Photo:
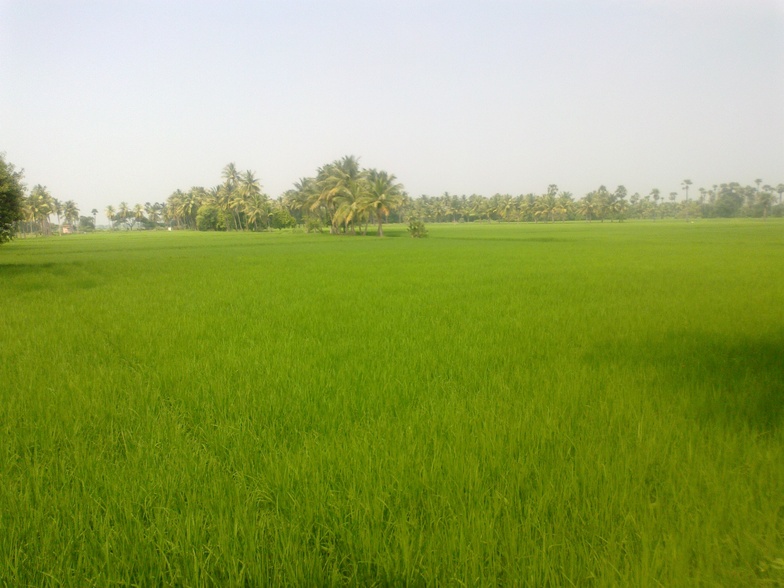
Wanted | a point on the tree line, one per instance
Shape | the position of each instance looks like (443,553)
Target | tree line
(345,198)
(341,196)
(722,200)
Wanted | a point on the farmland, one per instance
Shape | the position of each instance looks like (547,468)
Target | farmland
(498,404)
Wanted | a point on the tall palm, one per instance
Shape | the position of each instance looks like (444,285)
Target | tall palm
(189,203)
(257,210)
(231,178)
(338,179)
(71,211)
(383,195)
(656,195)
(248,187)
(27,216)
(685,185)
(587,207)
(765,200)
(152,212)
(565,204)
(223,196)
(57,208)
(230,175)
(124,213)
(137,213)
(110,213)
(546,206)
(42,205)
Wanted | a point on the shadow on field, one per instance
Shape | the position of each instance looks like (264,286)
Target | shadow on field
(738,381)
(20,269)
(49,276)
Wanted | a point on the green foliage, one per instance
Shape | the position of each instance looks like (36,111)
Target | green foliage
(313,224)
(86,223)
(210,218)
(541,404)
(417,229)
(280,218)
(11,194)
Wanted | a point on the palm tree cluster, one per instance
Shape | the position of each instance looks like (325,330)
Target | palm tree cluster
(37,209)
(237,203)
(344,196)
(724,200)
(149,215)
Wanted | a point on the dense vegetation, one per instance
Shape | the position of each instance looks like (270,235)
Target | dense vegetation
(499,404)
(343,196)
(11,195)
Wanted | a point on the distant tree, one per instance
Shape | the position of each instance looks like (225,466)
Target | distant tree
(384,194)
(729,200)
(57,208)
(11,196)
(586,207)
(111,214)
(257,210)
(685,185)
(765,201)
(94,212)
(124,214)
(210,218)
(280,217)
(656,195)
(619,204)
(41,204)
(152,213)
(71,211)
(339,184)
(86,223)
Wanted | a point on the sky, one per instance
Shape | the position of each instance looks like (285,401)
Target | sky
(108,101)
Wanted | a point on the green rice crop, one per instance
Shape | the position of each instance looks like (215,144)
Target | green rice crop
(583,404)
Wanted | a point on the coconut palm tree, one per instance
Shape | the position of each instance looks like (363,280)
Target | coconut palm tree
(334,181)
(111,214)
(383,195)
(248,188)
(257,210)
(71,212)
(546,207)
(124,213)
(187,205)
(42,205)
(152,211)
(565,204)
(138,213)
(765,200)
(656,195)
(57,208)
(587,207)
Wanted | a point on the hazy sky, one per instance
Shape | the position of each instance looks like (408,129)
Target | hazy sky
(108,101)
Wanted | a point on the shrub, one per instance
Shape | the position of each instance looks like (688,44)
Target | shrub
(417,229)
(209,218)
(313,224)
